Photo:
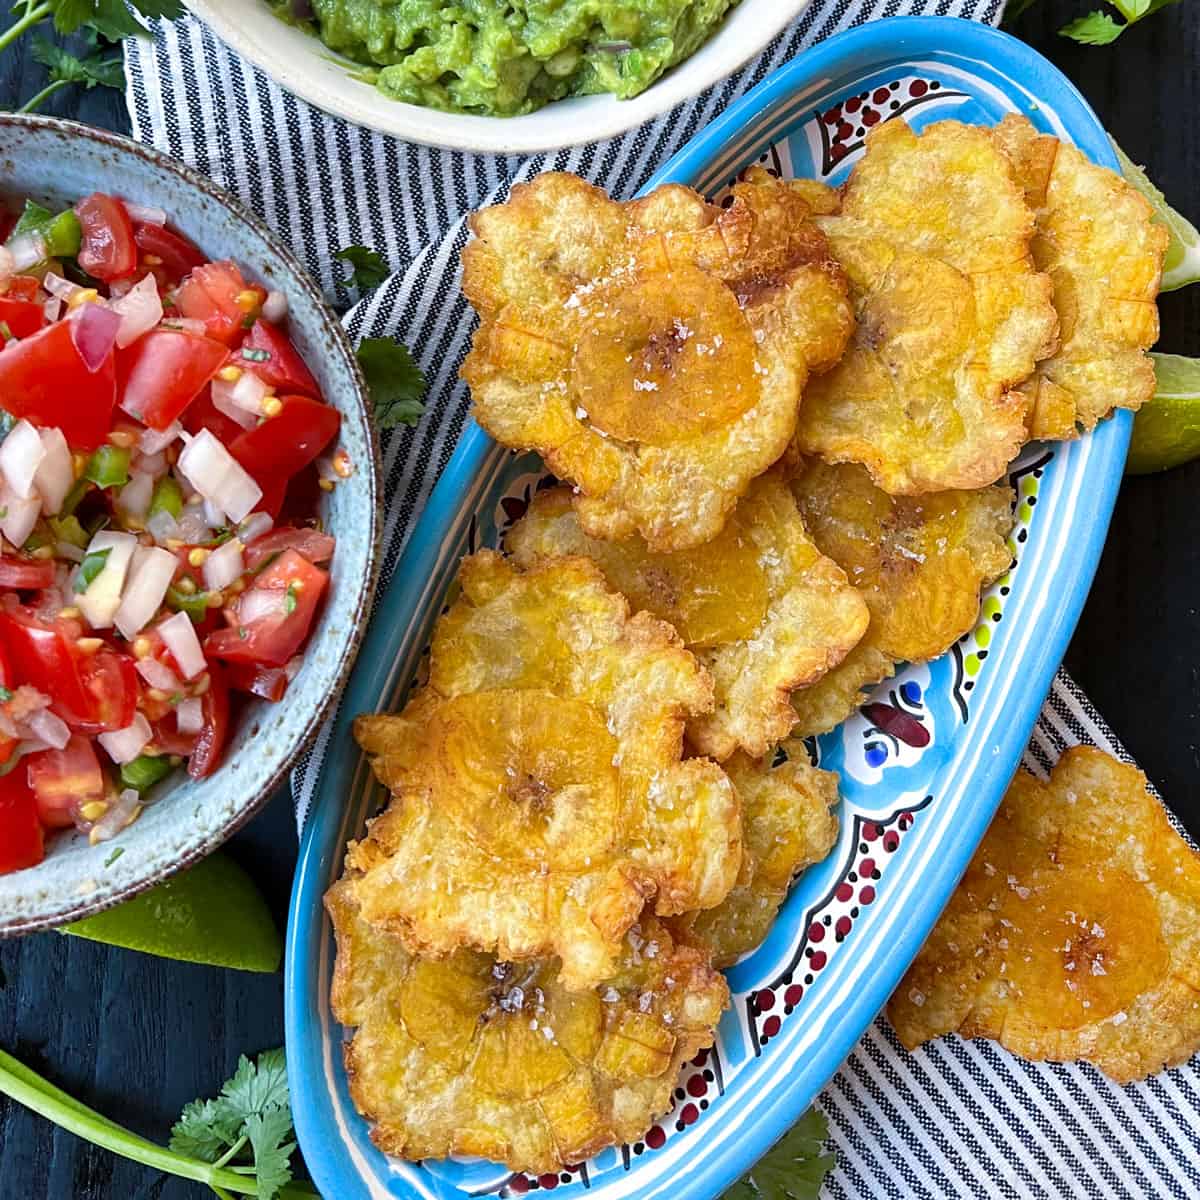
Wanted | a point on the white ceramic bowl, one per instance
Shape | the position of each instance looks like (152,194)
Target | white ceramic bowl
(301,64)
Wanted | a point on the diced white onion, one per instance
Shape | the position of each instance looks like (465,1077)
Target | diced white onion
(149,577)
(152,441)
(7,270)
(17,516)
(258,603)
(120,816)
(180,637)
(255,525)
(100,601)
(124,745)
(140,310)
(325,469)
(152,464)
(223,565)
(189,715)
(27,249)
(192,527)
(147,214)
(162,526)
(55,474)
(21,454)
(275,307)
(249,392)
(134,498)
(158,674)
(56,285)
(223,402)
(52,308)
(48,728)
(187,324)
(219,477)
(212,514)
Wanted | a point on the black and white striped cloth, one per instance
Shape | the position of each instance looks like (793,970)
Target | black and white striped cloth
(955,1119)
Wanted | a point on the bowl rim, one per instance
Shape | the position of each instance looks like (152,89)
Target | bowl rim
(575,121)
(897,39)
(86,907)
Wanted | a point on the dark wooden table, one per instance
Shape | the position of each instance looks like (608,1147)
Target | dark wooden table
(137,1037)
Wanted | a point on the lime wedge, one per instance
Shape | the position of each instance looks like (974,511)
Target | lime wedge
(1166,430)
(1182,264)
(211,913)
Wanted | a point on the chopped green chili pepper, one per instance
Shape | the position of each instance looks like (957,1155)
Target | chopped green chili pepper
(168,497)
(61,232)
(108,467)
(195,605)
(145,771)
(68,529)
(91,566)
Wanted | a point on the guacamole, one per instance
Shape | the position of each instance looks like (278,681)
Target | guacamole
(505,57)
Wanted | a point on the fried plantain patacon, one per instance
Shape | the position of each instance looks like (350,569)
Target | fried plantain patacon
(1097,241)
(1075,933)
(652,352)
(920,563)
(759,605)
(934,233)
(789,824)
(539,797)
(467,1055)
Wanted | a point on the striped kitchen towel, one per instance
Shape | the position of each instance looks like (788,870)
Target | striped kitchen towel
(955,1119)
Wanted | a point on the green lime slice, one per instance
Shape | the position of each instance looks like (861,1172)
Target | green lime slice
(211,913)
(1182,264)
(1166,430)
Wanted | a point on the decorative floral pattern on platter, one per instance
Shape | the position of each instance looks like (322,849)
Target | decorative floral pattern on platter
(898,739)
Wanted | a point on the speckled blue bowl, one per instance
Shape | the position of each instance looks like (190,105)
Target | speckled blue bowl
(59,161)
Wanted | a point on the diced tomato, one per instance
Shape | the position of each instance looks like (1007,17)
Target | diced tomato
(210,743)
(25,573)
(317,547)
(108,250)
(272,619)
(44,379)
(274,491)
(283,368)
(7,744)
(268,682)
(111,683)
(44,655)
(23,317)
(211,294)
(22,287)
(202,413)
(178,255)
(64,780)
(163,372)
(287,442)
(21,839)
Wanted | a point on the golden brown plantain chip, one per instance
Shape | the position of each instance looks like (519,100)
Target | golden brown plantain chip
(934,233)
(1097,241)
(540,799)
(467,1055)
(920,563)
(761,608)
(652,352)
(789,824)
(1075,933)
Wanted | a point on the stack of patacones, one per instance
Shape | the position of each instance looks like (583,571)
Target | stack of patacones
(780,424)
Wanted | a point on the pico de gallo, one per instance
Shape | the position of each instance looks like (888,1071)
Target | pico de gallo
(162,444)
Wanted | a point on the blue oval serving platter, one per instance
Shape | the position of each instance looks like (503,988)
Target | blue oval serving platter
(923,766)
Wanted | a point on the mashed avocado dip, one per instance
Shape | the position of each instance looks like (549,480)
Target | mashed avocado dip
(504,57)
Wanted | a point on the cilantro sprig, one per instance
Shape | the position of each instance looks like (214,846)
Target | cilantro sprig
(367,268)
(100,24)
(794,1168)
(239,1143)
(1097,28)
(394,380)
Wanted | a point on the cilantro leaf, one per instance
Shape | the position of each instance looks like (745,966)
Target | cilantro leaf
(367,268)
(396,383)
(1096,29)
(66,68)
(268,1133)
(111,18)
(794,1168)
(204,1130)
